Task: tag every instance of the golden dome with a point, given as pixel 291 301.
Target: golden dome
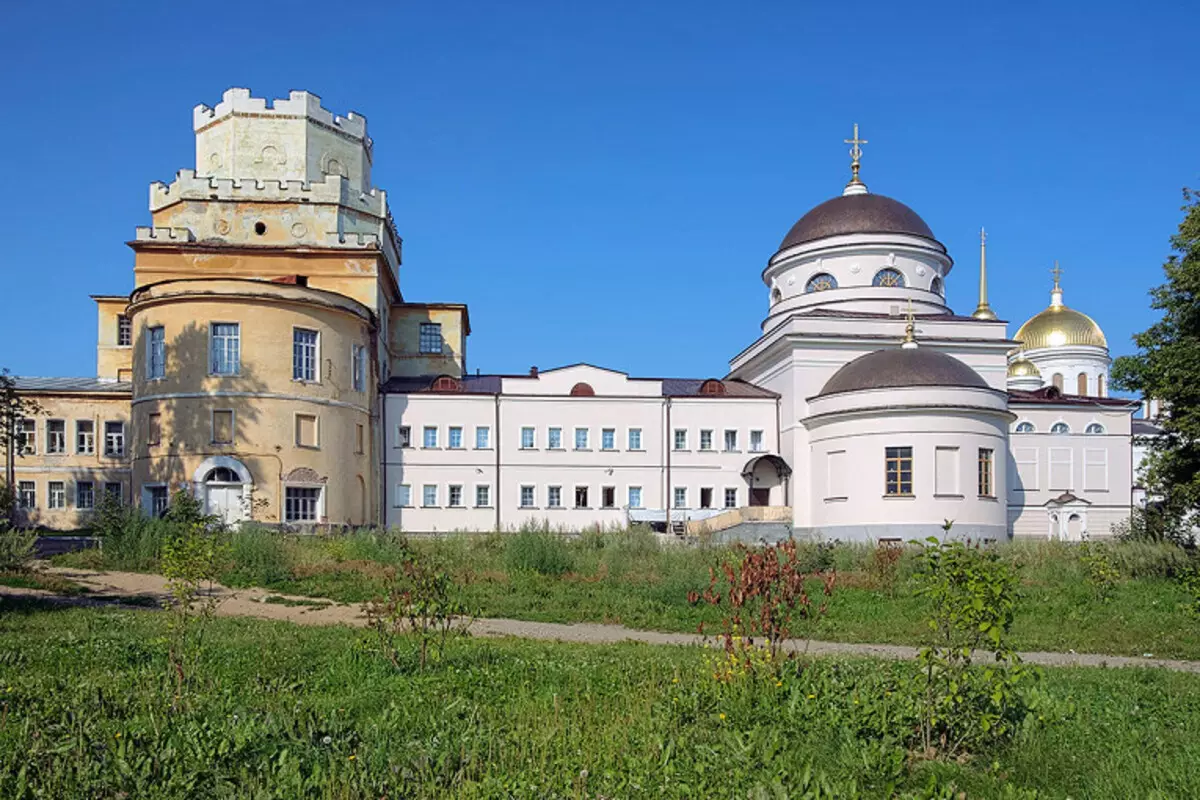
pixel 1059 326
pixel 1021 367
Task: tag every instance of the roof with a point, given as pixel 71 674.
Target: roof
pixel 1142 427
pixel 948 317
pixel 1053 396
pixel 899 367
pixel 73 385
pixel 1059 326
pixel 493 384
pixel 857 213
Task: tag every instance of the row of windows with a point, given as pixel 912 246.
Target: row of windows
pixel 432 496
pixel 225 354
pixel 300 503
pixel 582 439
pixel 56 494
pixel 1081 383
pixel 898 472
pixel 1060 428
pixel 888 277
pixel 85 437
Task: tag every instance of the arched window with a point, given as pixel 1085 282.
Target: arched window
pixel 222 475
pixel 1060 428
pixel 712 386
pixel 1094 428
pixel 889 277
pixel 446 383
pixel 776 295
pixel 1025 427
pixel 1057 381
pixel 1101 390
pixel 582 390
pixel 1081 383
pixel 820 282
pixel 937 288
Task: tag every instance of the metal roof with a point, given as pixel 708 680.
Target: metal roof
pixel 73 385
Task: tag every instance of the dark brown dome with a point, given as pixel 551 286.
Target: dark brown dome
pixel 857 213
pixel 899 367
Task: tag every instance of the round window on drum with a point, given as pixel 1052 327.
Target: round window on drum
pixel 889 277
pixel 820 282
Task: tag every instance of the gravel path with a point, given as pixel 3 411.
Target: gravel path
pixel 108 588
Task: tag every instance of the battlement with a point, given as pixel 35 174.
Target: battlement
pixel 237 101
pixel 147 234
pixel 334 189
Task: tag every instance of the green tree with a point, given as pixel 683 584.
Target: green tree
pixel 1167 368
pixel 14 407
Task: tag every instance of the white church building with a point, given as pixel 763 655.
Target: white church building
pixel 866 411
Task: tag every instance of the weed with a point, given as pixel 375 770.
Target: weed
pixel 1101 572
pixel 421 602
pixel 539 551
pixel 17 549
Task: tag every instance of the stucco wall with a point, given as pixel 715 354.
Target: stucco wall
pixel 404 339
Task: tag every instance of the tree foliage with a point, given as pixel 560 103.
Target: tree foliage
pixel 1167 368
pixel 14 407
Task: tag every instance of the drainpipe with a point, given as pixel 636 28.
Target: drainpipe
pixel 787 481
pixel 667 446
pixel 496 496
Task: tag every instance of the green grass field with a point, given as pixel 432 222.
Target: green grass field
pixel 87 710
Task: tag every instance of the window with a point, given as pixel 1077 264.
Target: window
pixel 776 295
pixel 554 497
pixel 159 500
pixel 756 441
pixel 608 438
pixel 1060 428
pixel 1094 428
pixel 483 496
pixel 301 503
pixel 403 436
pixel 85 495
pixel 156 353
pixel 114 438
pixel 306 430
pixel 581 438
pixel 1095 470
pixel 56 436
pixel 454 496
pixel 706 440
pixel 987 486
pixel 455 437
pixel 403 498
pixel 85 437
pixel 680 439
pixel 27 436
pixel 835 475
pixel 222 426
pixel 730 441
pixel 225 348
pixel 706 497
pixel 731 498
pixel 1024 427
pixel 26 494
pixel 304 354
pixel 583 390
pixel 820 282
pixel 483 437
pixel 124 331
pixel 679 498
pixel 431 338
pixel 56 495
pixel 1057 381
pixel 113 490
pixel 153 429
pixel 429 495
pixel 1100 390
pixel 527 440
pixel 937 287
pixel 526 497
pixel 581 497
pixel 360 436
pixel 358 368
pixel 888 277
pixel 898 471
pixel 635 497
pixel 1081 383
pixel 608 497
pixel 553 439
pixel 945 471
pixel 635 438
pixel 429 437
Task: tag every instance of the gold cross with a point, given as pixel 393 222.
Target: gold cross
pixel 855 153
pixel 1057 273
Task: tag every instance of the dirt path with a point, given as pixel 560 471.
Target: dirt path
pixel 135 588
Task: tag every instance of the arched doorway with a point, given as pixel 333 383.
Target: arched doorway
pixel 224 485
pixel 767 476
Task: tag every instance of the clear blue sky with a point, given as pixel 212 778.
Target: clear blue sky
pixel 604 181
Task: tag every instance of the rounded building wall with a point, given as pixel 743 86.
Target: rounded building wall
pixel 218 397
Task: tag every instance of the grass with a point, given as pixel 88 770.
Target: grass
pixel 289 711
pixel 628 578
pixel 47 581
pixel 291 602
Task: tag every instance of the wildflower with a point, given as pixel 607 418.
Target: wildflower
pixel 812 697
pixel 118 735
pixel 778 684
pixel 722 716
pixel 352 756
pixel 675 680
pixel 327 740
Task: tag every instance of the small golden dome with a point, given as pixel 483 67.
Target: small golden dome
pixel 1059 326
pixel 1021 367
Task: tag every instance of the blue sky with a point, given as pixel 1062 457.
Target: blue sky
pixel 604 182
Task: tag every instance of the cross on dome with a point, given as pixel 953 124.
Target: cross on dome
pixel 855 186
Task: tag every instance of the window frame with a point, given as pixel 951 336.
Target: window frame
pixel 53 488
pixel 762 438
pixel 633 434
pixel 725 497
pixel 629 490
pixel 425 438
pixel 450 445
pixel 450 492
pixel 299 375
pixel 124 330
pixel 1060 428
pixel 486 488
pixel 358 367
pixel 156 353
pixel 62 449
pixel 725 441
pixel 582 487
pixel 554 438
pixel 291 504
pixel 79 496
pixel 28 434
pixel 1022 423
pixel 532 437
pixel 608 439
pixel 91 440
pixel 426 502
pixel 27 495
pixel 586 438
pixel 316 418
pixel 212 421
pixel 403 440
pixel 706 433
pixel 900 455
pixel 236 339
pixel 608 496
pixel 430 328
pixel 679 440
pixel 676 493
pixel 115 452
pixel 402 495
pixel 527 490
pixel 486 430
pixel 554 496
pixel 986 475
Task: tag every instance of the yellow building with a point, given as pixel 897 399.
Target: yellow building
pixel 245 365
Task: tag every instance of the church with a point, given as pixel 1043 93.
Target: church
pixel 267 361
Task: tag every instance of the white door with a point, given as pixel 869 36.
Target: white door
pixel 224 501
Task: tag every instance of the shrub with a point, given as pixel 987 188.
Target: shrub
pixel 883 566
pixel 190 562
pixel 1099 569
pixel 258 557
pixel 538 551
pixel 423 603
pixel 17 549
